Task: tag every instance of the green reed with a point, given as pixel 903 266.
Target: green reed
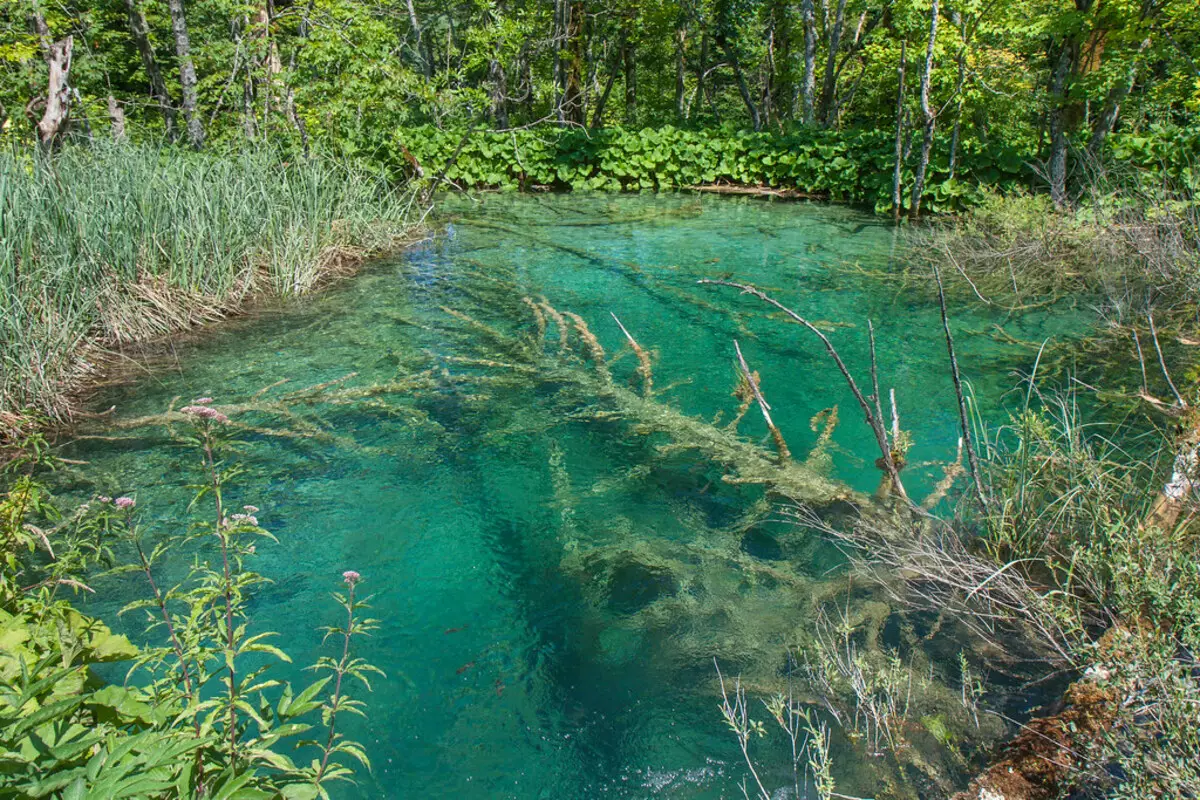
pixel 109 244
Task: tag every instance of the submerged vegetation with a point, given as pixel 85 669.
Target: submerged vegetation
pixel 168 164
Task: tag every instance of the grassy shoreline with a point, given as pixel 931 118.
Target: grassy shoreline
pixel 111 245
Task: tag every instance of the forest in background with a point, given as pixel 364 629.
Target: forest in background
pixel 1019 90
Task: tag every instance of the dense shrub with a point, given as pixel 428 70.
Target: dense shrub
pixel 847 166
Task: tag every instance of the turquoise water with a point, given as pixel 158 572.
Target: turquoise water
pixel 552 582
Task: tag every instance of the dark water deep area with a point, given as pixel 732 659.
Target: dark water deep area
pixel 552 586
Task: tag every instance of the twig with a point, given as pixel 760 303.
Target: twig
pixel 972 459
pixel 784 453
pixel 876 424
pixel 1141 361
pixel 1162 362
pixel 644 368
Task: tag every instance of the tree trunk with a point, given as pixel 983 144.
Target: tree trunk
pixel 810 60
pixel 1064 111
pixel 1057 166
pixel 896 174
pixel 743 89
pixel 629 59
pixel 959 88
pixel 781 75
pixel 680 66
pixel 598 113
pixel 140 31
pixel 37 21
pixel 421 47
pixel 930 117
pixel 557 40
pixel 499 83
pixel 117 115
pixel 573 91
pixel 187 74
pixel 58 94
pixel 829 86
pixel 1107 119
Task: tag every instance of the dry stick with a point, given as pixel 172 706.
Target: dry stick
pixel 1162 362
pixel 784 453
pixel 876 424
pixel 972 459
pixel 643 358
pixel 1141 361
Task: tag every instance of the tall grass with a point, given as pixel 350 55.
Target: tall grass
pixel 116 243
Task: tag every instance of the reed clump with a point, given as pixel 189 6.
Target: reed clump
pixel 109 244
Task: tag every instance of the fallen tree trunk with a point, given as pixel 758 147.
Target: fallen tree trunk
pixel 758 191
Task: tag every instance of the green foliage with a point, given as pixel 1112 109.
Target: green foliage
pixel 845 166
pixel 200 715
pixel 112 244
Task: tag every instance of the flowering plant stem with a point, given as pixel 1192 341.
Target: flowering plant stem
pixel 339 673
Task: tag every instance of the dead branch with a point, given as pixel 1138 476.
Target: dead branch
pixel 874 421
pixel 784 453
pixel 644 368
pixel 972 459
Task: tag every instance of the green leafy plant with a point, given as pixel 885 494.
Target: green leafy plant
pixel 199 715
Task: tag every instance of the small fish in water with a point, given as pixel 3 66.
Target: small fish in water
pixel 464 668
pixel 499 687
pixel 459 629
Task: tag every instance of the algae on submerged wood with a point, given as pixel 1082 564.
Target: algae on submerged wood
pixel 564 536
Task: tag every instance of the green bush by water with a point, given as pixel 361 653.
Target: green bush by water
pixel 112 244
pixel 848 166
pixel 199 713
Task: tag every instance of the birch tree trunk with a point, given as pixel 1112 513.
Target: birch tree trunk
pixel 930 117
pixel 422 47
pixel 681 65
pixel 557 39
pixel 896 174
pixel 58 94
pixel 187 73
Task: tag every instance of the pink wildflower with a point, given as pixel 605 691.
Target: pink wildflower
pixel 250 509
pixel 202 401
pixel 351 577
pixel 248 519
pixel 204 412
pixel 125 502
pixel 104 499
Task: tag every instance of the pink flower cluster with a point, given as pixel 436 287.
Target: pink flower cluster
pixel 245 519
pixel 204 412
pixel 351 577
